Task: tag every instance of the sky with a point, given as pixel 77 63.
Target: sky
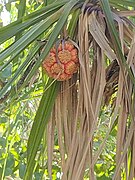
pixel 5 15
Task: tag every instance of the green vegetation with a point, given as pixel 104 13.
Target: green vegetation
pixel 82 128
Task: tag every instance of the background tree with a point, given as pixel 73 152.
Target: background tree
pixel 81 128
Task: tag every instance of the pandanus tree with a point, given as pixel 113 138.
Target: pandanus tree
pixel 78 58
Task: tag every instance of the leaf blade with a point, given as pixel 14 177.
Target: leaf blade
pixel 40 121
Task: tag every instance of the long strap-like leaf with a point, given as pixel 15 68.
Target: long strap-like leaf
pixel 115 39
pixel 40 121
pixel 25 22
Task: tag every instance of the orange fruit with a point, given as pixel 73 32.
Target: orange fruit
pixel 61 63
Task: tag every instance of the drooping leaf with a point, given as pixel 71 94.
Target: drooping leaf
pixel 115 38
pixel 40 122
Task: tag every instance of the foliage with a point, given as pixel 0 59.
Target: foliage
pixel 84 127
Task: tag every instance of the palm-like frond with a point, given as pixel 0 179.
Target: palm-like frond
pixel 104 36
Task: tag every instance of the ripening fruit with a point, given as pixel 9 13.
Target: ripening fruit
pixel 63 62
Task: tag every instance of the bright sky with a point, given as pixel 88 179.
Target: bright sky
pixel 2 1
pixel 5 15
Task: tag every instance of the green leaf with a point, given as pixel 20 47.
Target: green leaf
pixel 12 1
pixel 29 20
pixel 40 122
pixel 3 120
pixel 21 12
pixel 30 36
pixel 124 2
pixel 22 168
pixel 6 73
pixel 73 23
pixel 115 39
pixel 10 161
pixel 2 142
pixel 8 171
pixel 25 40
pixel 8 6
pixel 19 70
pixel 118 6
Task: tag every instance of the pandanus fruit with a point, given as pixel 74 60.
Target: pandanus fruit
pixel 62 61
